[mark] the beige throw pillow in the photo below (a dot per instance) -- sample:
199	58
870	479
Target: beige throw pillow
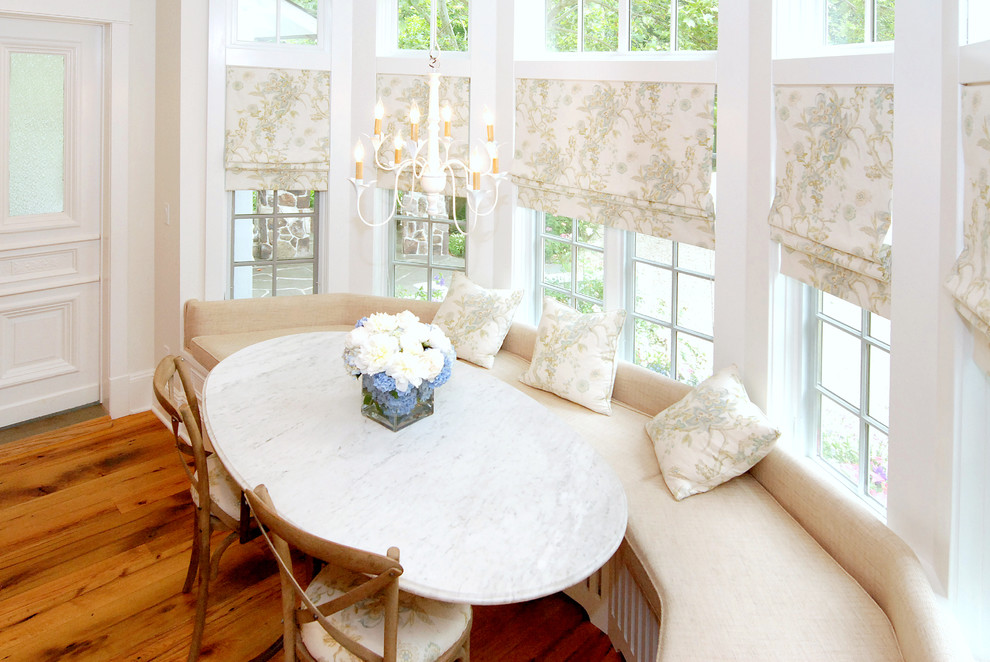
575	355
711	435
476	319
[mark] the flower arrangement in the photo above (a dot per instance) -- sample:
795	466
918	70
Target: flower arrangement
400	361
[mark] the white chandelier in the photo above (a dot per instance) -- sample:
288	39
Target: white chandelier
423	160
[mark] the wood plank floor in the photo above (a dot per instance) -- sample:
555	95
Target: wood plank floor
94	541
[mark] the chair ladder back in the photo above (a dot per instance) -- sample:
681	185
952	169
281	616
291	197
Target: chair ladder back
283	535
182	368
202	479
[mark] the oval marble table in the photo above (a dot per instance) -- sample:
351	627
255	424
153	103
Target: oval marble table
492	499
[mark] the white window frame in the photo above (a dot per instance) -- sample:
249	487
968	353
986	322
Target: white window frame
289	56
624	32
318	220
429	265
607	264
629	331
801	30
388	33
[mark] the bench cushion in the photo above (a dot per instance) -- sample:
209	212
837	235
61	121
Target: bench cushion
210	350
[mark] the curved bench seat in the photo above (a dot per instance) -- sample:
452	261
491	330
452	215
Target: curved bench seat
776	564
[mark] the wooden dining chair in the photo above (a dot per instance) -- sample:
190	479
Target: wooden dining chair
353	607
217	497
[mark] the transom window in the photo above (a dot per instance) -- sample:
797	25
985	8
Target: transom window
572	264
274	243
426	250
631	25
859	21
852	394
671	307
288	22
413	25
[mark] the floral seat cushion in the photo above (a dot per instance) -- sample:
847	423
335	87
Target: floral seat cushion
224	490
427	628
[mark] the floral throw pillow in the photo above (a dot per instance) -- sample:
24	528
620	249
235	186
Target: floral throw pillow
575	355
711	435
476	319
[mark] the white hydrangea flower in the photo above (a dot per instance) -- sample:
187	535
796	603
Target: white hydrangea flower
406	320
377	353
405	370
433	363
381	323
437	339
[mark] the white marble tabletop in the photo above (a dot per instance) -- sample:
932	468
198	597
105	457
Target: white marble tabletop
492	499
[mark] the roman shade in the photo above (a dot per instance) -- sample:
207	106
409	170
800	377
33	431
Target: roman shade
278	129
969	281
831	207
397	93
631	155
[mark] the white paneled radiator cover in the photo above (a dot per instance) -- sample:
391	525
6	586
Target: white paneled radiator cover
619	607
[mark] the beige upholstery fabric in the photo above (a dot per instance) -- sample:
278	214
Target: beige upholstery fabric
776	564
224	490
427	628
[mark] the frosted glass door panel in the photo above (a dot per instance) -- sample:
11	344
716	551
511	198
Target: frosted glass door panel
37	134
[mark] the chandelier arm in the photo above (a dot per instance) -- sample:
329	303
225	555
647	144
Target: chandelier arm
476	208
360	189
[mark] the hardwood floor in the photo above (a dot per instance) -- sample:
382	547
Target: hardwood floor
96	533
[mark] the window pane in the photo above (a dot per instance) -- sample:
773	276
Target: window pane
842	311
562	25
410	282
695	304
697	25
440	283
251	239
841	361
411	240
697	259
591	274
557	263
839	438
447	245
295	238
653	291
256	20
884	20
414	25
880	328
295	201
36	116
246	202
695	359
651	346
877	486
252	281
655	249
297	22
559	296
294	279
649	25
591	233
558	226
879	405
587	306
845	21
601	25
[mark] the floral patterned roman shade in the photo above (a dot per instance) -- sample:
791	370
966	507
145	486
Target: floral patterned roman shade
970	278
278	129
397	92
831	208
636	156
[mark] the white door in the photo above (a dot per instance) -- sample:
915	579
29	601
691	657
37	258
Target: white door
51	116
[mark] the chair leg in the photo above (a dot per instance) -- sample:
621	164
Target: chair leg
215	561
203	542
194	555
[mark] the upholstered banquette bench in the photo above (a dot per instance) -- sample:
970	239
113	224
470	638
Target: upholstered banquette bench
775	564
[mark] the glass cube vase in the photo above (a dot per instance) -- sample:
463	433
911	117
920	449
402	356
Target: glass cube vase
372	408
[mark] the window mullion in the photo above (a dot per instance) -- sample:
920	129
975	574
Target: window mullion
673	25
869	22
625	15
864	399
580	26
